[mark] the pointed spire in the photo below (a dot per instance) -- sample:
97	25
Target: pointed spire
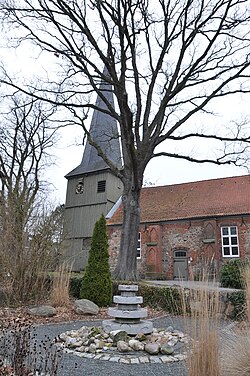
103	129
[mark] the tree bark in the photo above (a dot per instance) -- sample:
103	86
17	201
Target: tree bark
126	268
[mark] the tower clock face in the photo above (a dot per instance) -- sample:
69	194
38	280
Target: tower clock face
79	187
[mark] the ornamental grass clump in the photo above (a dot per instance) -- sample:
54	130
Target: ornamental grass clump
60	287
202	310
97	282
236	343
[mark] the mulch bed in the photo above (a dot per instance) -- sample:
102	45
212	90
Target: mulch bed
64	314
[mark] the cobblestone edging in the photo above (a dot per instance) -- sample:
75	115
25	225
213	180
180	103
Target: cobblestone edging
130	359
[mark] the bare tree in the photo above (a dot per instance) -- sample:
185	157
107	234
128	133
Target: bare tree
25	137
167	60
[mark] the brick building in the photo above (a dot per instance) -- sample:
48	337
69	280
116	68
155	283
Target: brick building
186	227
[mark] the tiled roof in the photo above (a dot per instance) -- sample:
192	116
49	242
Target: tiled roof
208	198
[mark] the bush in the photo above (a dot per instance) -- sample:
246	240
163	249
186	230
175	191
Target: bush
75	284
166	298
231	274
97	283
238	300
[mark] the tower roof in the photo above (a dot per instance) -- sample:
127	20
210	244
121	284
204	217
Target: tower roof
104	131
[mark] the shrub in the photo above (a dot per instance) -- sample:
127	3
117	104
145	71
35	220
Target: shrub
231	274
166	298
23	355
97	283
238	300
75	284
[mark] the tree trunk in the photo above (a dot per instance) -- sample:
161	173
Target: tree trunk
126	268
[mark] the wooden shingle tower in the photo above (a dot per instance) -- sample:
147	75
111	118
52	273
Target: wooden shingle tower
92	188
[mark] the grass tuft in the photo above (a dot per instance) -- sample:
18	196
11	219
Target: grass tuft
60	288
202	313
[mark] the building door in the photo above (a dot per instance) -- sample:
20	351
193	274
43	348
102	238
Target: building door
180	265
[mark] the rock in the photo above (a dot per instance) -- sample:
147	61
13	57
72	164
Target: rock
63	337
172	342
166	349
90	341
74	333
43	310
86	307
118	335
75	344
100	344
136	345
170	329
178	333
123	346
81	349
92	348
152	348
71	342
83	331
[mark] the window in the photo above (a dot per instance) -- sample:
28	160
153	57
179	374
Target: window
101	186
138	250
229	239
180	254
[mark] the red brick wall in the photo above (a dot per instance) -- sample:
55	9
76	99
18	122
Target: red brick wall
201	239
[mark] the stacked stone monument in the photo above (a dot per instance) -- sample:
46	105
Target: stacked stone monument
128	314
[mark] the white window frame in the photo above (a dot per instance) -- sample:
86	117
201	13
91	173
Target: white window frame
230	236
138	249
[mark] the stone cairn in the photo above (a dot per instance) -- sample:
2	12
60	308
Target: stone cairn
113	341
128	315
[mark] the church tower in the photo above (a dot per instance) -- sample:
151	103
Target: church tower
92	188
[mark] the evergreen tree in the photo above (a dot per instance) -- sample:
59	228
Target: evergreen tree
97	282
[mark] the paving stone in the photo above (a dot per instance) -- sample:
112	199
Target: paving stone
105	357
98	356
114	359
181	356
89	355
134	361
124	361
167	359
155	359
144	359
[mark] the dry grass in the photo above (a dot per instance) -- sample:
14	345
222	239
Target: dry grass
60	289
246	277
23	279
236	346
203	309
236	358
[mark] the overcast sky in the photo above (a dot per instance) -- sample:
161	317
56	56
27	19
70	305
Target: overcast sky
160	171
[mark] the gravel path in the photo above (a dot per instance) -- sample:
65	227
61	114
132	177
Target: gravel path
76	366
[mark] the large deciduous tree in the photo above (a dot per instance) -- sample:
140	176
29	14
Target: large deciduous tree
166	60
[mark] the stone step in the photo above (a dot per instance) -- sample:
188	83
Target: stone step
120	313
128	288
127	299
144	326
